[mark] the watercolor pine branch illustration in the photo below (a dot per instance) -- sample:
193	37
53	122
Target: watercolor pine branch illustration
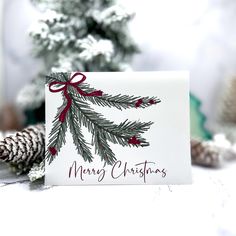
75	113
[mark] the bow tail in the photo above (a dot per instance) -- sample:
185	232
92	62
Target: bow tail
94	93
63	114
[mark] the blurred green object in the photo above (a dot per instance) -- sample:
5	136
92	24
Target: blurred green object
198	120
35	116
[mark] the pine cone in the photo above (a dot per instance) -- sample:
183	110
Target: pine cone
228	103
24	149
204	154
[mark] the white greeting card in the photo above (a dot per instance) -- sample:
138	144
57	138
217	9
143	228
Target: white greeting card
117	128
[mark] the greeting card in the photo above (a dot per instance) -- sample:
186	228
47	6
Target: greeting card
117	128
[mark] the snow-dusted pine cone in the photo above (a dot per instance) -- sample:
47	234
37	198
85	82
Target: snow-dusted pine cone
227	112
204	154
24	149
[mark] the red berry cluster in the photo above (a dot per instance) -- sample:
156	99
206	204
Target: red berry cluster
140	102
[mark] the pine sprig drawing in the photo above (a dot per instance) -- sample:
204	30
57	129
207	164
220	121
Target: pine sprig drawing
81	145
103	149
76	113
117	134
118	101
56	137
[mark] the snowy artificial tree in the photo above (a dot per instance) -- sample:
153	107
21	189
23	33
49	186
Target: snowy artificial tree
77	35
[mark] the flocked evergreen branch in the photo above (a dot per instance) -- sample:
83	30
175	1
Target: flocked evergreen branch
61	77
37	171
62	35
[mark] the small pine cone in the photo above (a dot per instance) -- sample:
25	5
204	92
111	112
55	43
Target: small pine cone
204	154
24	149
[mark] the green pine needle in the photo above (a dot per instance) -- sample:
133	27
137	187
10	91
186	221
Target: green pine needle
118	101
102	129
103	149
57	135
117	134
79	141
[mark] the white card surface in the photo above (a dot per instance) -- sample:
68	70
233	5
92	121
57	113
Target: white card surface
140	138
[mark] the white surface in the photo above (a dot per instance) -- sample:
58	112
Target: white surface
170	129
205	208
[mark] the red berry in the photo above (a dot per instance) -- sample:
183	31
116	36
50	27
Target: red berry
52	150
134	141
138	103
152	102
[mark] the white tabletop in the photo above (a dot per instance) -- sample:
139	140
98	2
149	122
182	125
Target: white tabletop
207	207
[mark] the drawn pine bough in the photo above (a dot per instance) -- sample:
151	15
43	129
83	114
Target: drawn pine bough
76	112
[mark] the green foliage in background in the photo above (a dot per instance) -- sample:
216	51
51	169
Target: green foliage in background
198	120
77	35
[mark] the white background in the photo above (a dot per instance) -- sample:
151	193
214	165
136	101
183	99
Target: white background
198	35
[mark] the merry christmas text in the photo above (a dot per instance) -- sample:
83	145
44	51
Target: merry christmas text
118	170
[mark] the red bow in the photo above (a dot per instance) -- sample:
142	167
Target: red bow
62	116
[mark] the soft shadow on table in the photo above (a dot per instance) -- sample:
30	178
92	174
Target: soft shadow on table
38	185
7	178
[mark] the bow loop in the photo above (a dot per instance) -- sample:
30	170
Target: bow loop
59	86
74	79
